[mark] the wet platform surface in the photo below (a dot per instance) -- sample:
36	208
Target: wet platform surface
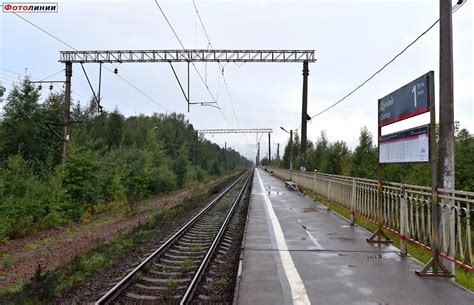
296	252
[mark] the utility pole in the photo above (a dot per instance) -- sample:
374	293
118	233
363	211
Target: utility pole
304	115
269	151
278	154
258	153
67	110
291	150
446	177
225	155
196	139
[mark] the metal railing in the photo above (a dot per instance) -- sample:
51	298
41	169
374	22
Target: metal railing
406	209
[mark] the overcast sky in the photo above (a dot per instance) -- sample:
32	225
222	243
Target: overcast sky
351	39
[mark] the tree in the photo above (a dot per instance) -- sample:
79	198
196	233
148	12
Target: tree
464	160
364	158
319	155
22	128
338	156
181	165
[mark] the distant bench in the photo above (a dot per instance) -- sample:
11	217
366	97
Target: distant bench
291	184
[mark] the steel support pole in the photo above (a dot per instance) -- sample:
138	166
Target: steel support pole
436	265
379	234
269	151
67	110
188	97
446	112
196	149
225	155
258	153
304	115
278	154
291	150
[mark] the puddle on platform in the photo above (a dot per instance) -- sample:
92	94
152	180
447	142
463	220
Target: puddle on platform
326	254
371	257
365	291
344	272
274	193
312	209
342	238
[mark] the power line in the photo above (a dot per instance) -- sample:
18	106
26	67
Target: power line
9	71
194	66
71	47
46	32
169	23
220	65
202	24
34	78
54	74
4	75
455	8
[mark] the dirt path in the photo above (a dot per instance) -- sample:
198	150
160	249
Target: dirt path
55	247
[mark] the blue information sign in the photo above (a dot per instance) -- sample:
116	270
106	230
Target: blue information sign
408	101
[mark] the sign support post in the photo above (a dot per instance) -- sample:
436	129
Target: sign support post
435	264
379	235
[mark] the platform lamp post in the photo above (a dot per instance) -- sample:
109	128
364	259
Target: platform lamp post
278	155
291	146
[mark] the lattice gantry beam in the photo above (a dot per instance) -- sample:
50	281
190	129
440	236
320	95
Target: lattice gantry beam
216	131
129	56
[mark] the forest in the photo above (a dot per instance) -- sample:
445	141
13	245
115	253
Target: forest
336	158
112	159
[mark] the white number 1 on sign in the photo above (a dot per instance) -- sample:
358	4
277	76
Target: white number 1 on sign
414	94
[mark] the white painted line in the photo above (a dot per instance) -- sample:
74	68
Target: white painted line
311	236
298	292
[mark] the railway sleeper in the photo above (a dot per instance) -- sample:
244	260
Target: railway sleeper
164	281
156	288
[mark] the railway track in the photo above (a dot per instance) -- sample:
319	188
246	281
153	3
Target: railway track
172	273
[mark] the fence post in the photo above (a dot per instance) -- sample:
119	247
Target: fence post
314	186
329	191
353	201
452	228
403	224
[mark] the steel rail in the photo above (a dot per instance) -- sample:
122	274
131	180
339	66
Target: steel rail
188	295
113	293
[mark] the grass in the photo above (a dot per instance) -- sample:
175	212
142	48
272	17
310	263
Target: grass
171	283
35	244
464	277
224	281
187	264
47	285
7	261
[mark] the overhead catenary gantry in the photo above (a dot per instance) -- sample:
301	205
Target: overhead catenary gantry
235	130
243	130
188	56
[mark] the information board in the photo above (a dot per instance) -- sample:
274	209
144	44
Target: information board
408	101
411	145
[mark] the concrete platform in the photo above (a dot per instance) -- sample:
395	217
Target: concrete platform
295	251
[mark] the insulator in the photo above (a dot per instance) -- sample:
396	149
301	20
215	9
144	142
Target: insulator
51	87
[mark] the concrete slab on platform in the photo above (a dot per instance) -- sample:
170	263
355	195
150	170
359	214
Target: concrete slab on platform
296	252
